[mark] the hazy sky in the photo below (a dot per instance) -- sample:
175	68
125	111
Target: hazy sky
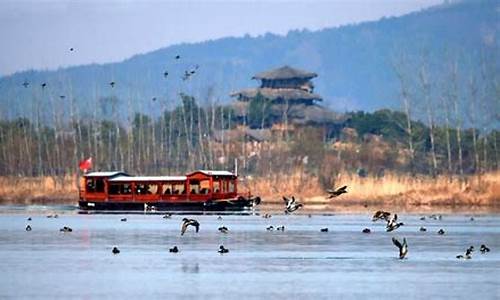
38	33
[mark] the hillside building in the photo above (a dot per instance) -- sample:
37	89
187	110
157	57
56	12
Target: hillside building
287	96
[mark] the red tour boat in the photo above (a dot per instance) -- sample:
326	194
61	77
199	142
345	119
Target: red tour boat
199	190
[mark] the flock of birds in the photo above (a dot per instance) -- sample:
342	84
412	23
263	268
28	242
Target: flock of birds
393	224
185	76
291	206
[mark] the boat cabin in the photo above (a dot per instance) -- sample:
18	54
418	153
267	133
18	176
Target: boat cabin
198	186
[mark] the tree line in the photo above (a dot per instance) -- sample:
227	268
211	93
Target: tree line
448	124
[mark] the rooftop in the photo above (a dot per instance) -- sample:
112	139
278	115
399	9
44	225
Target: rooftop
275	94
147	178
284	72
214	173
106	174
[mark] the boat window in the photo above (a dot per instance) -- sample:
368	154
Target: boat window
205	186
99	186
90	185
232	186
146	188
120	189
217	186
173	188
94	185
194	186
199	186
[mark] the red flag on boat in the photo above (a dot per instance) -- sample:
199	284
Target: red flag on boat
86	164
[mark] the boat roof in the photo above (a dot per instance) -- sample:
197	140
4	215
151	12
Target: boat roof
214	173
122	176
106	174
148	178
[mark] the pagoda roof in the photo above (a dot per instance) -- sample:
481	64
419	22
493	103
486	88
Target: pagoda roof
274	94
285	72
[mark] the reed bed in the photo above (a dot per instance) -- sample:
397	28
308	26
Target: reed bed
390	190
38	190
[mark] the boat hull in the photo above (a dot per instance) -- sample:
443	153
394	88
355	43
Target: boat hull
170	206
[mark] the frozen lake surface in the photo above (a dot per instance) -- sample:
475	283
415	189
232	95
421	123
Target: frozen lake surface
299	263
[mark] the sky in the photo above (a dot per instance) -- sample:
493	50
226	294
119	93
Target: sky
37	34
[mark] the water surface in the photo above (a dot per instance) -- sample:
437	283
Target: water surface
299	263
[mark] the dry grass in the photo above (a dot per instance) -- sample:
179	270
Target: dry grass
391	190
38	190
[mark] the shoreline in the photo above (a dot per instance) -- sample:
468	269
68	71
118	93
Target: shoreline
402	192
310	207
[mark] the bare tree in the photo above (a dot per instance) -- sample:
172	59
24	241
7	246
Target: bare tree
406	101
473	104
454	95
426	87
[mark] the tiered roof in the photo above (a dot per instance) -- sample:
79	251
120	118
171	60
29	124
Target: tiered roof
284	72
277	94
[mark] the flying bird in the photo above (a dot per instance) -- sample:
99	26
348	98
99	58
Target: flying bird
335	193
403	248
189	222
112	84
381	215
393	224
291	205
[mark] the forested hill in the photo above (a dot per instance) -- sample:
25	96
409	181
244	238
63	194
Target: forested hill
355	65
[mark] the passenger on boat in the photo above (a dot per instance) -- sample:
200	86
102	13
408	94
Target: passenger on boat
167	192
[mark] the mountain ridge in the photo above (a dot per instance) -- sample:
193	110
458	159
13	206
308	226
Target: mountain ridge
354	63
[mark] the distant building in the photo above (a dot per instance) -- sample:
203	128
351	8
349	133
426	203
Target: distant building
290	98
281	85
